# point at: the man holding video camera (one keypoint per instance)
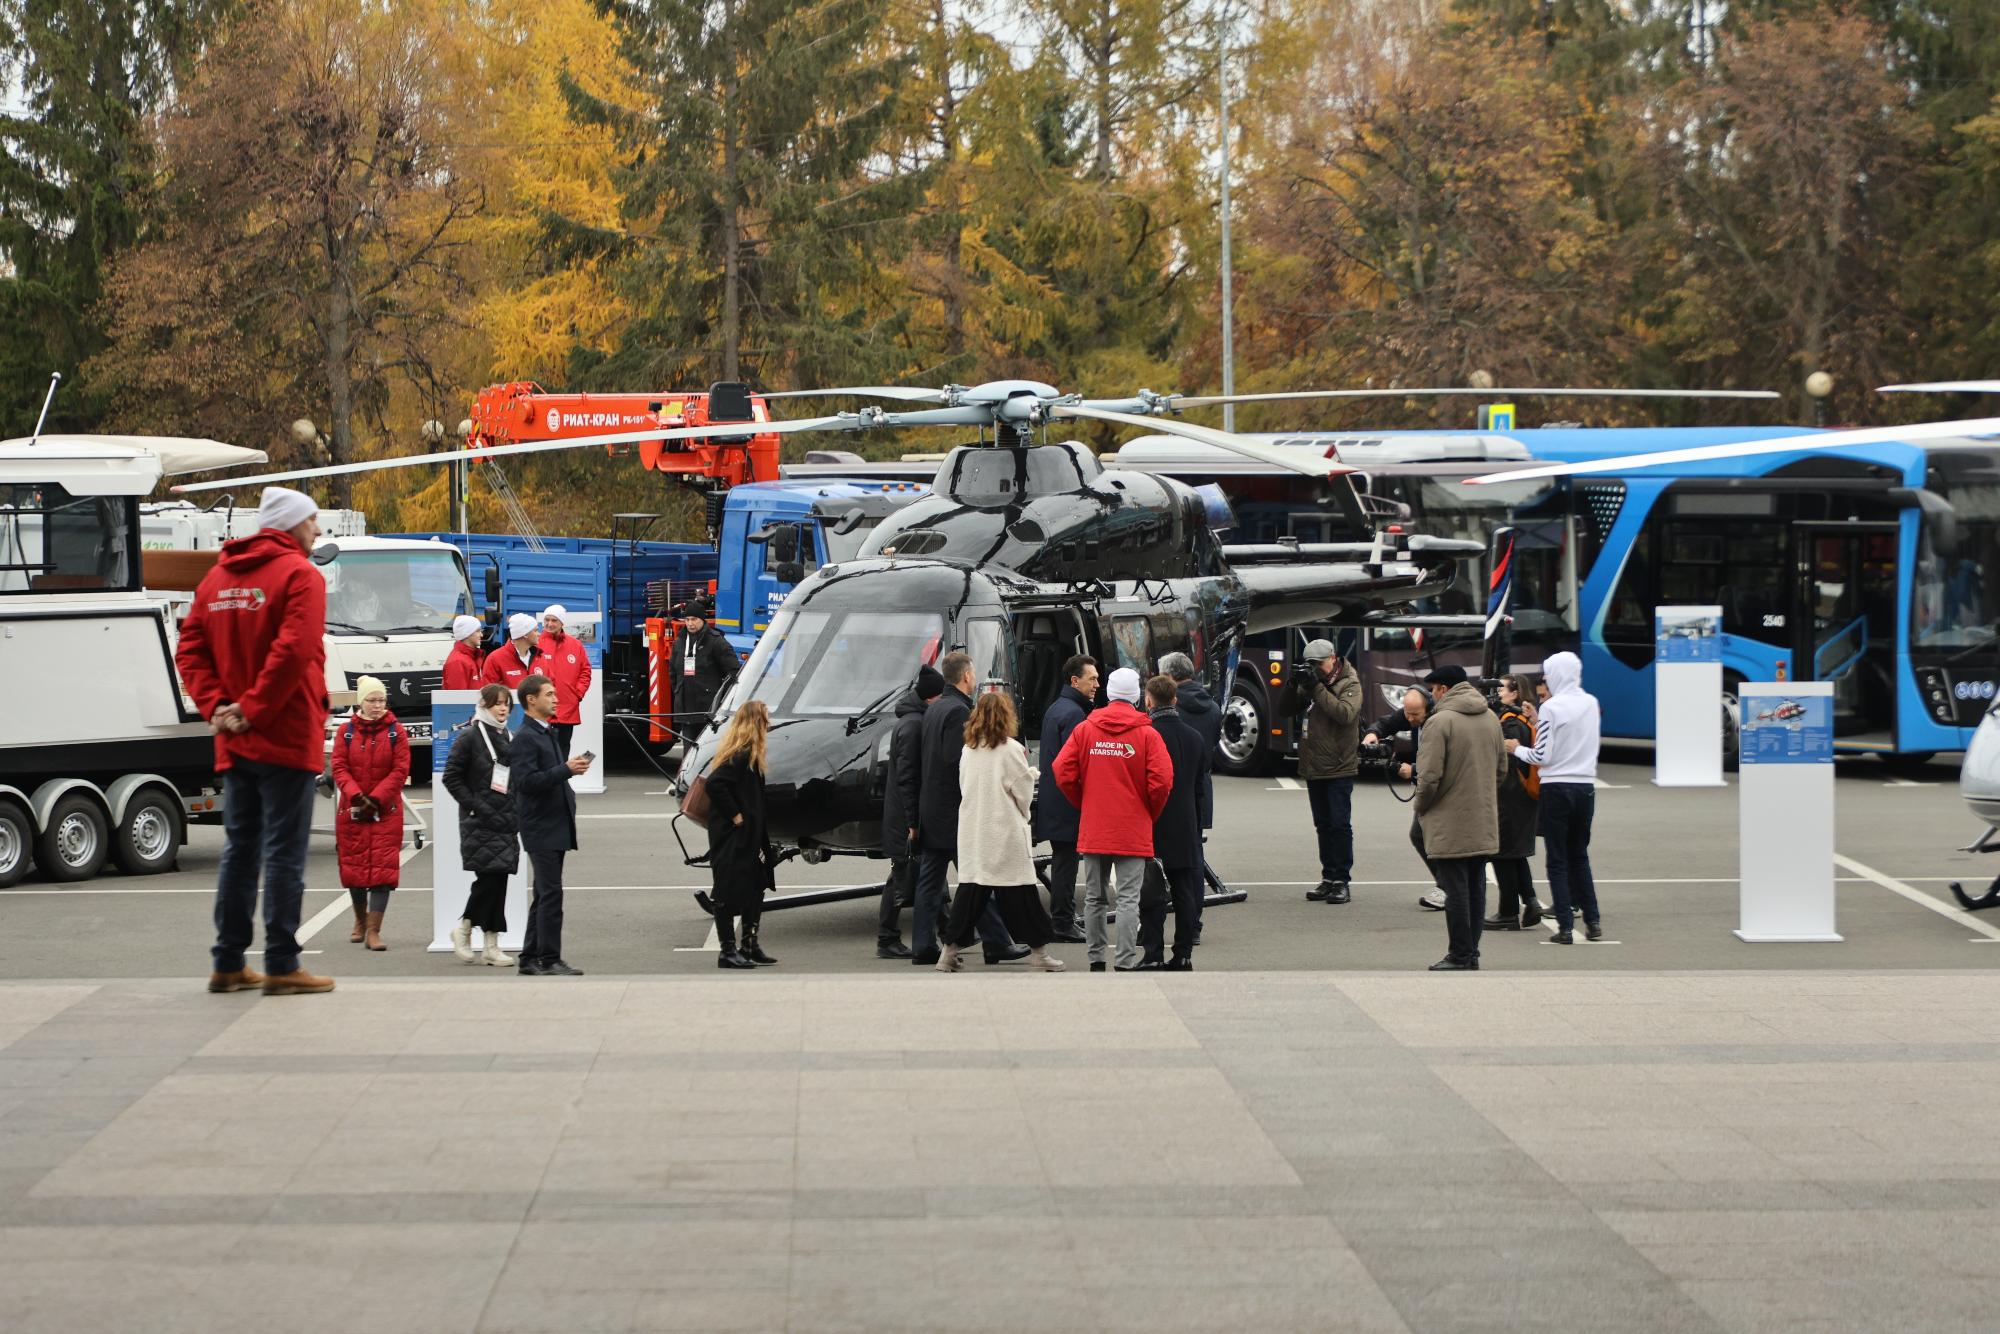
(1326, 691)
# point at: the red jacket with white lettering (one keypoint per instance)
(503, 666)
(370, 759)
(462, 666)
(256, 638)
(1116, 771)
(563, 660)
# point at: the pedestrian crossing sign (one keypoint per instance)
(1496, 416)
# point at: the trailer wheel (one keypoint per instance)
(148, 839)
(17, 837)
(1245, 748)
(74, 845)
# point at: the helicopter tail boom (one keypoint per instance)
(1339, 592)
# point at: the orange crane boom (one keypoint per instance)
(522, 411)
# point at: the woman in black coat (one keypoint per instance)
(739, 851)
(1519, 804)
(475, 773)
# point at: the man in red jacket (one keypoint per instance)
(1116, 771)
(564, 661)
(463, 664)
(515, 660)
(253, 655)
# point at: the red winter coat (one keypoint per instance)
(462, 666)
(370, 759)
(256, 638)
(562, 659)
(503, 666)
(1116, 771)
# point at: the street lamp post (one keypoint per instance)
(1819, 385)
(1228, 305)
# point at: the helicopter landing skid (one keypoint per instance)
(1991, 898)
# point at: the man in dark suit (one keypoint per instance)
(899, 812)
(937, 819)
(547, 804)
(1055, 819)
(1176, 834)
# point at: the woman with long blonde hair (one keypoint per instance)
(996, 786)
(739, 850)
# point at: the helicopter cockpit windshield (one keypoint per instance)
(837, 662)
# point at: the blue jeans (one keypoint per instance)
(1333, 819)
(1567, 809)
(927, 922)
(266, 818)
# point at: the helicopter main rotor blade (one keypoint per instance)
(1944, 387)
(907, 395)
(1304, 461)
(1941, 435)
(1209, 400)
(538, 447)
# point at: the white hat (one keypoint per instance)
(369, 685)
(1124, 684)
(557, 610)
(461, 626)
(284, 509)
(520, 625)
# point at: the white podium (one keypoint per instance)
(451, 884)
(1786, 812)
(1687, 696)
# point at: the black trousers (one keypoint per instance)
(1463, 880)
(543, 940)
(563, 733)
(1517, 885)
(1567, 809)
(1020, 908)
(486, 906)
(898, 893)
(1182, 892)
(1063, 861)
(725, 929)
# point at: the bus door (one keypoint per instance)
(1844, 619)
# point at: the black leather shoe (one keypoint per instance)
(1501, 924)
(1593, 930)
(732, 959)
(1563, 938)
(1179, 965)
(1151, 965)
(1339, 893)
(1450, 965)
(893, 949)
(1532, 914)
(1068, 935)
(1097, 967)
(557, 968)
(1014, 955)
(754, 952)
(928, 959)
(532, 968)
(1318, 893)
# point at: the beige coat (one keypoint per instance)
(996, 792)
(1460, 767)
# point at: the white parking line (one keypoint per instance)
(713, 945)
(1287, 785)
(1917, 896)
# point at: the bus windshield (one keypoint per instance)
(837, 663)
(1954, 603)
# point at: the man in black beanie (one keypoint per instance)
(899, 812)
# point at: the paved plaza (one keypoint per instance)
(1585, 1151)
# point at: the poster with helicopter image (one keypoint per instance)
(1787, 728)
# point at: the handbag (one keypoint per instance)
(694, 802)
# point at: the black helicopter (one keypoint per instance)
(1028, 551)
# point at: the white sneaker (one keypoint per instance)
(1041, 962)
(461, 940)
(1433, 900)
(493, 955)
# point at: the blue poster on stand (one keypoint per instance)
(1779, 729)
(1687, 634)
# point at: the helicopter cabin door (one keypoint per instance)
(1844, 621)
(1045, 637)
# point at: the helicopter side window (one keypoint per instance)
(986, 642)
(1133, 638)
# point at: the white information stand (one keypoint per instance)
(451, 883)
(585, 626)
(1687, 696)
(1786, 812)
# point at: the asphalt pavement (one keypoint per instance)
(1666, 862)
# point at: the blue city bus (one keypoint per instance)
(1863, 567)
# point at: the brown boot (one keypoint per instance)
(375, 931)
(296, 983)
(360, 931)
(243, 979)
